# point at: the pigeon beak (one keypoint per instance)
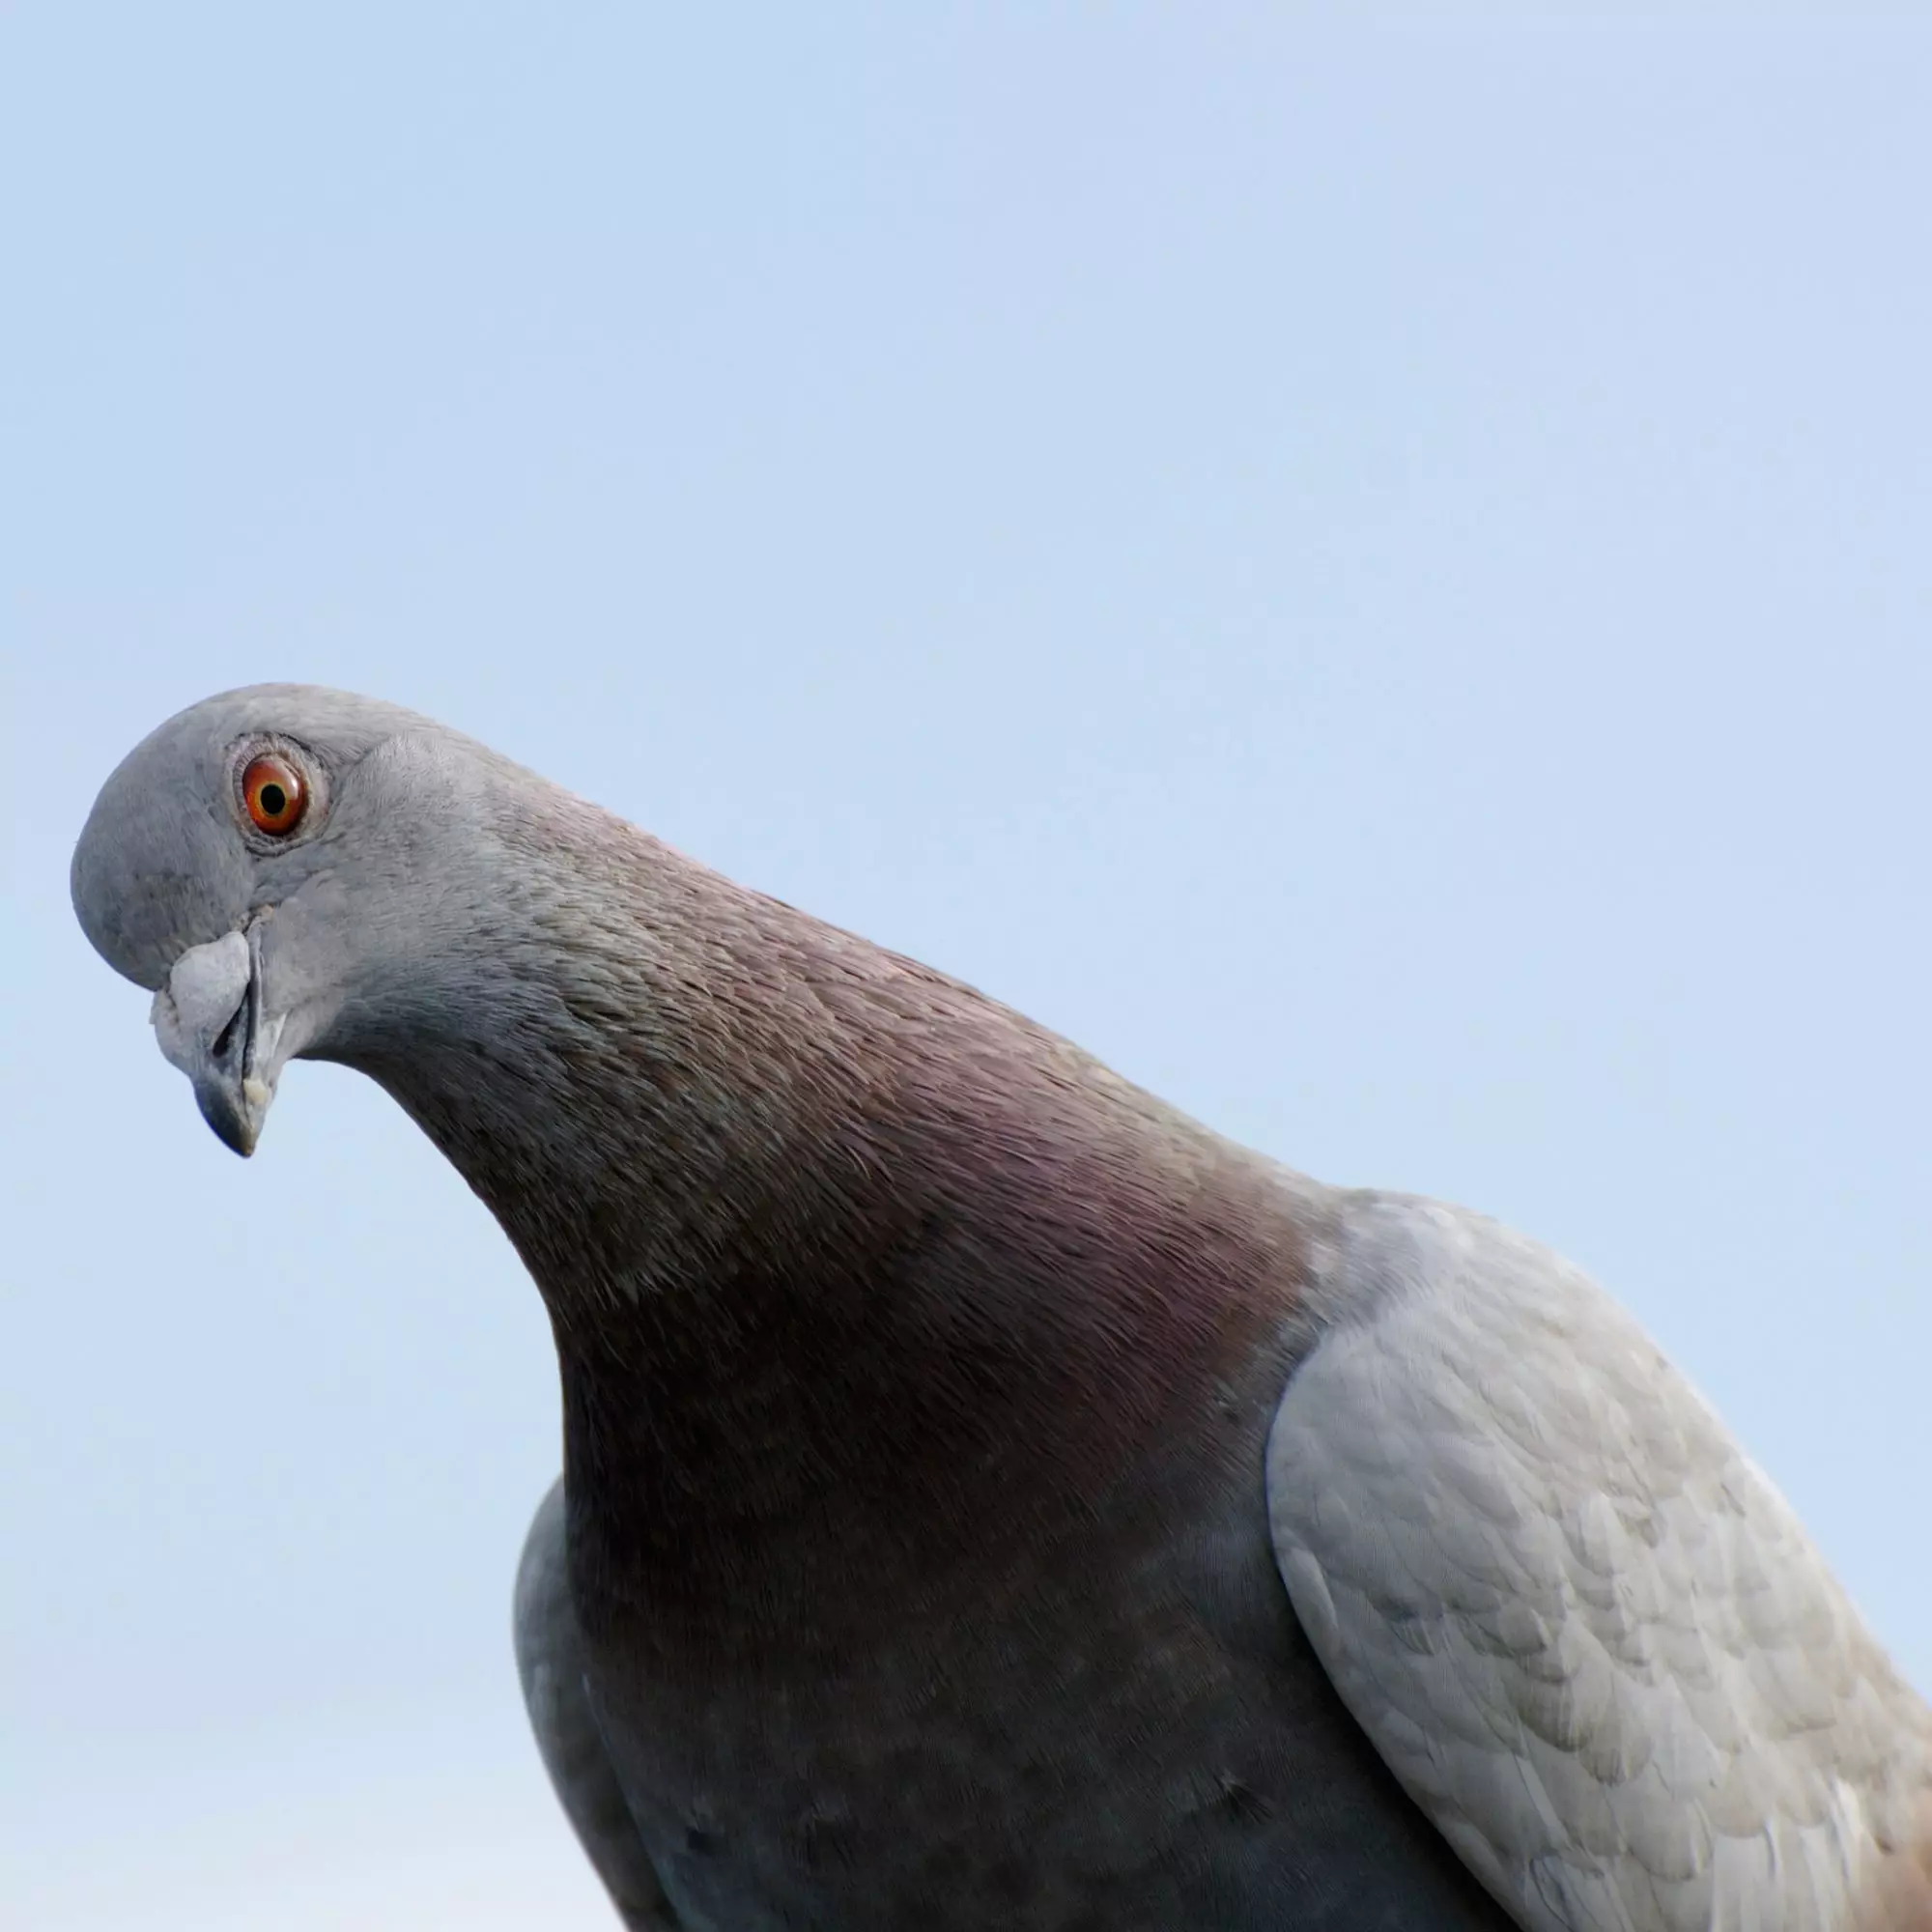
(210, 1021)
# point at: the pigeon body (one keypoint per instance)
(991, 1498)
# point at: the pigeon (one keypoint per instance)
(990, 1497)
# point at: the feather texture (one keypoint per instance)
(1580, 1625)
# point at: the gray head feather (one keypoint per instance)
(257, 943)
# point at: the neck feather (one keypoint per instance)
(823, 1233)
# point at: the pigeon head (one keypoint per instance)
(215, 870)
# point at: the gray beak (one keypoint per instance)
(210, 1021)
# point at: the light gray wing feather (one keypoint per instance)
(549, 1660)
(1584, 1630)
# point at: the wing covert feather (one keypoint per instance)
(1581, 1627)
(549, 1660)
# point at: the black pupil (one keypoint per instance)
(274, 800)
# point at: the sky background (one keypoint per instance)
(1376, 572)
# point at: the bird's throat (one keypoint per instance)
(833, 1246)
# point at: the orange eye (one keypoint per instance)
(273, 790)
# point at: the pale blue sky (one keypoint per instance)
(1378, 575)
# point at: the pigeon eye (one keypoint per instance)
(273, 792)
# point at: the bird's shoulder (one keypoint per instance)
(551, 1666)
(1580, 1625)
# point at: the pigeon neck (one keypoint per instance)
(827, 1238)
